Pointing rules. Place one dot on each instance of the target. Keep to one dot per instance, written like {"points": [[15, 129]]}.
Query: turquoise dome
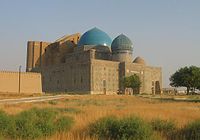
{"points": [[95, 36], [121, 43]]}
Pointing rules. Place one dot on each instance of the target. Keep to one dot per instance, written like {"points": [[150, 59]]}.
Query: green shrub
{"points": [[130, 128], [105, 128], [33, 124], [26, 126], [45, 121], [64, 124], [192, 131], [165, 127], [6, 124], [134, 128]]}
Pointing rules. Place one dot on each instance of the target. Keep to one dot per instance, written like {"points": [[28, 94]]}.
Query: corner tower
{"points": [[122, 49]]}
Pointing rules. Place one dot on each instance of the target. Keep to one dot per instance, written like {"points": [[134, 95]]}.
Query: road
{"points": [[173, 98], [32, 99]]}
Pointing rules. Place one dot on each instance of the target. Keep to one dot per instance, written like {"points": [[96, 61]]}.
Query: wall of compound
{"points": [[11, 82]]}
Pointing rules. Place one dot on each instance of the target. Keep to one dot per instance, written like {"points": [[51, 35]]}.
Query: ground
{"points": [[88, 108]]}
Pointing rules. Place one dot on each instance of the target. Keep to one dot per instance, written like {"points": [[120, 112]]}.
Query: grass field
{"points": [[89, 108]]}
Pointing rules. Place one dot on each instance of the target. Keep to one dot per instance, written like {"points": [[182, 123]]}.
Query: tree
{"points": [[133, 82], [188, 77]]}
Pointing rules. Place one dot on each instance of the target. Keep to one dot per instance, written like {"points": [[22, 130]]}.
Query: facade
{"points": [[90, 64]]}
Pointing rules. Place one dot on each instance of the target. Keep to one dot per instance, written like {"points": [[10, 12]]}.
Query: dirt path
{"points": [[32, 99]]}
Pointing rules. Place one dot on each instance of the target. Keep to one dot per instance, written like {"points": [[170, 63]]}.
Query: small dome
{"points": [[95, 36], [122, 42], [139, 60]]}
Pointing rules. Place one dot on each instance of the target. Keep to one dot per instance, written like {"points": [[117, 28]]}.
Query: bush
{"points": [[165, 127], [131, 128], [25, 126], [45, 121], [134, 128], [33, 124], [64, 123], [105, 128], [192, 131], [6, 124]]}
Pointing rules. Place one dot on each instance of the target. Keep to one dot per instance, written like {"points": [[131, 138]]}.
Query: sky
{"points": [[165, 33]]}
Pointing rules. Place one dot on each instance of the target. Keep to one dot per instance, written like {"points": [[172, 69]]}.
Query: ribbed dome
{"points": [[139, 60], [122, 42], [95, 36]]}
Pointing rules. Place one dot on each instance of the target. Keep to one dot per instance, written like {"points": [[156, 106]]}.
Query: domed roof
{"points": [[139, 60], [95, 36], [122, 42]]}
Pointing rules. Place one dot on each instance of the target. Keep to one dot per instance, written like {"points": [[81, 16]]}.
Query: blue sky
{"points": [[165, 33]]}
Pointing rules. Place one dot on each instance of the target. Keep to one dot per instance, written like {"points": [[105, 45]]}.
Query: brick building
{"points": [[90, 64]]}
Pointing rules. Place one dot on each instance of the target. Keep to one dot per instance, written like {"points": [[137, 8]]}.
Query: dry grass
{"points": [[94, 107], [4, 95]]}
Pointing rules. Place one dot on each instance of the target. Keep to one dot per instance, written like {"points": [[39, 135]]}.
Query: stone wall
{"points": [[73, 76], [154, 77], [131, 69], [68, 77], [151, 77], [104, 77], [29, 82]]}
